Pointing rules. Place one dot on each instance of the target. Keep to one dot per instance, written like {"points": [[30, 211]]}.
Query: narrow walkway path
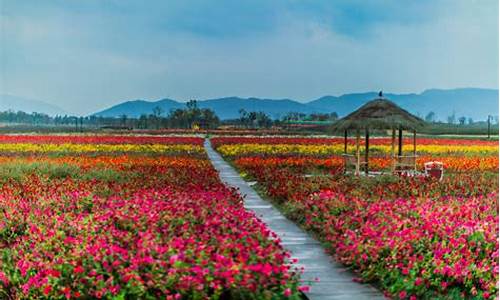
{"points": [[335, 282]]}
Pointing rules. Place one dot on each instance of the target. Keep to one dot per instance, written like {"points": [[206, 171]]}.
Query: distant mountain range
{"points": [[225, 108], [475, 103], [14, 103]]}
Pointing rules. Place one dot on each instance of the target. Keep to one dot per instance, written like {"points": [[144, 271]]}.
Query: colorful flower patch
{"points": [[414, 237], [131, 227], [99, 139], [337, 149]]}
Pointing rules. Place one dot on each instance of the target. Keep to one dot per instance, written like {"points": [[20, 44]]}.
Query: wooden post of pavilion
{"points": [[415, 150], [400, 142], [345, 152], [400, 145], [345, 141], [357, 152], [393, 146], [367, 147]]}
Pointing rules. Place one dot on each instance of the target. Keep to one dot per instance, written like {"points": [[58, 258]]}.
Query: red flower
{"points": [[54, 273], [47, 290]]}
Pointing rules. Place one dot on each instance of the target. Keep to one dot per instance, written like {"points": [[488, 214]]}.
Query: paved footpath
{"points": [[335, 282]]}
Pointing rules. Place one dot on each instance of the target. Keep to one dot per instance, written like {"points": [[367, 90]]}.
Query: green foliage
{"points": [[457, 129], [17, 172], [11, 230]]}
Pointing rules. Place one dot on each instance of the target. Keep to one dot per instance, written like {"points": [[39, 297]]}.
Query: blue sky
{"points": [[85, 55]]}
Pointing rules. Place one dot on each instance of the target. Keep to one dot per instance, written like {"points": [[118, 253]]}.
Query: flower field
{"points": [[304, 146], [129, 217], [414, 237]]}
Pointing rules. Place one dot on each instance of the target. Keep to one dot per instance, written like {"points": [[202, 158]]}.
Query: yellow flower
{"points": [[83, 148], [246, 149]]}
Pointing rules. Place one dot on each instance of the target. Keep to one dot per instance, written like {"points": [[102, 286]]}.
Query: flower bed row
{"points": [[100, 148], [132, 227], [99, 139], [217, 141], [335, 163], [337, 149]]}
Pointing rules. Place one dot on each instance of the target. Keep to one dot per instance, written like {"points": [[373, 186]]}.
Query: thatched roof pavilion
{"points": [[380, 113]]}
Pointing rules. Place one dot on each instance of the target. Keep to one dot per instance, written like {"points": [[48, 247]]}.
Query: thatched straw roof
{"points": [[379, 114]]}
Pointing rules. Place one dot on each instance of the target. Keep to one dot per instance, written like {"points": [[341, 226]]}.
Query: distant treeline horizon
{"points": [[193, 117]]}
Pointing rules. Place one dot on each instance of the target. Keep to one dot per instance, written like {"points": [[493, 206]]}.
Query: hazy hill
{"points": [[135, 108], [469, 102], [228, 108], [14, 103]]}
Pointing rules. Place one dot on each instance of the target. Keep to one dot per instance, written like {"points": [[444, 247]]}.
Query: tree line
{"points": [[462, 120], [193, 117], [183, 118]]}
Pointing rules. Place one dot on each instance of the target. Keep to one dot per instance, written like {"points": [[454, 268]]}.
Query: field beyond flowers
{"points": [[413, 237], [129, 217]]}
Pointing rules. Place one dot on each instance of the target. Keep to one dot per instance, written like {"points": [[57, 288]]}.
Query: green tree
{"points": [[430, 117], [451, 118]]}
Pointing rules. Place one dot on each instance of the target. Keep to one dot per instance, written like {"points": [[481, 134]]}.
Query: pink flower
{"points": [[4, 278], [418, 281], [287, 292], [173, 259], [267, 269]]}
